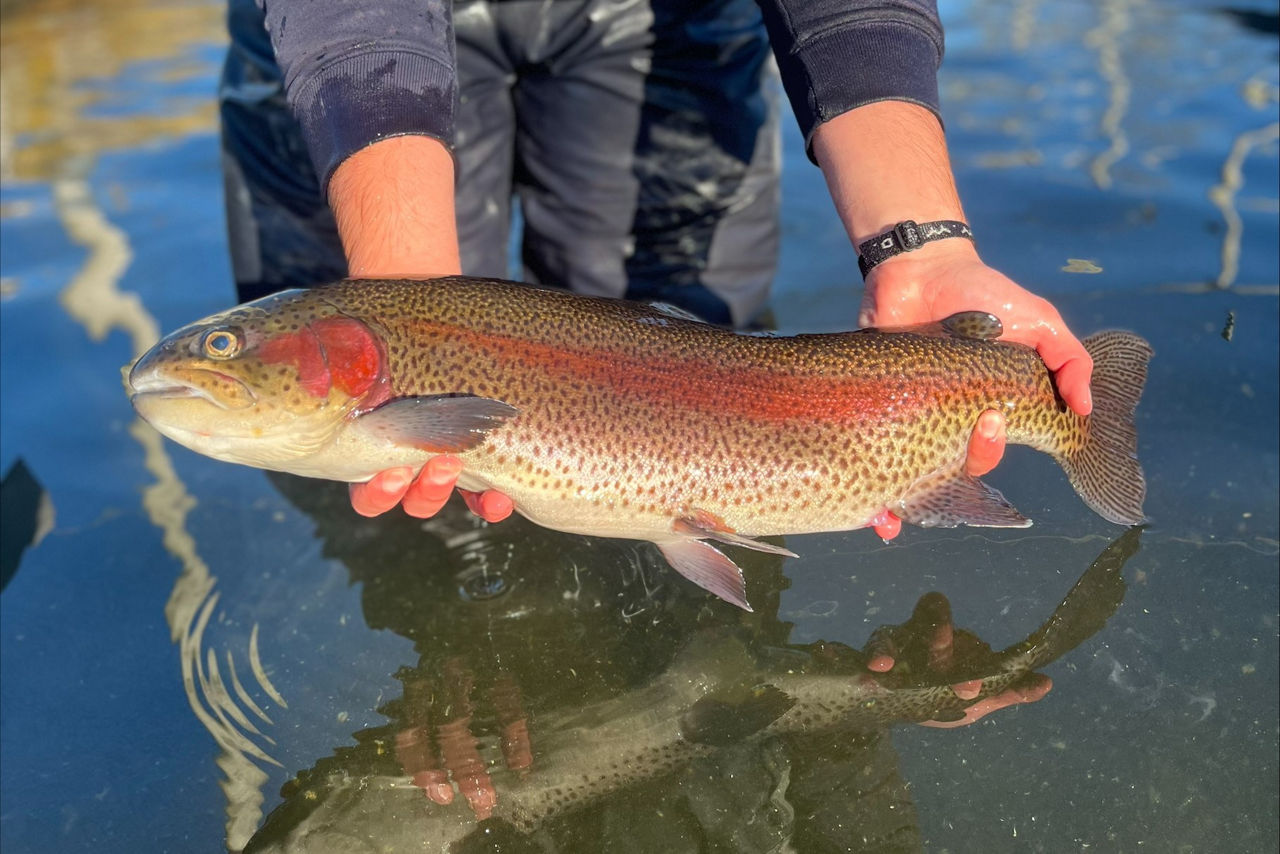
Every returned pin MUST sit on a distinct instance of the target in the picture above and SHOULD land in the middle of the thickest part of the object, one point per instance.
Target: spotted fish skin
(612, 418)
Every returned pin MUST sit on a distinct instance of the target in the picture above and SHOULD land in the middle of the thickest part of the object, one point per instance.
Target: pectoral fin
(705, 525)
(952, 498)
(447, 424)
(707, 567)
(729, 717)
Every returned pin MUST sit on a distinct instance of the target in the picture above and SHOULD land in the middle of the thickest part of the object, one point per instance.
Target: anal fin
(707, 567)
(951, 498)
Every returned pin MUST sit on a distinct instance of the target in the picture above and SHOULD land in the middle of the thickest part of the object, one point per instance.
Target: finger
(886, 525)
(472, 500)
(490, 505)
(936, 609)
(517, 751)
(436, 785)
(940, 646)
(880, 663)
(932, 609)
(881, 651)
(1028, 690)
(1070, 362)
(1072, 380)
(968, 690)
(986, 444)
(431, 490)
(382, 492)
(418, 759)
(867, 311)
(482, 797)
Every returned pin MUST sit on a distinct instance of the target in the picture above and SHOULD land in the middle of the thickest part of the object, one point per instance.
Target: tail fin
(1086, 609)
(1104, 470)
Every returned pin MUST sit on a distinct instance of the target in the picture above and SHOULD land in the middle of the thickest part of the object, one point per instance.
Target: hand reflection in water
(440, 754)
(569, 687)
(930, 643)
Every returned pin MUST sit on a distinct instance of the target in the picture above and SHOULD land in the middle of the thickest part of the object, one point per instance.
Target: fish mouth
(155, 385)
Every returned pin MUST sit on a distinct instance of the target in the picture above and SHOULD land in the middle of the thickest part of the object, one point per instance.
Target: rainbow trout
(619, 419)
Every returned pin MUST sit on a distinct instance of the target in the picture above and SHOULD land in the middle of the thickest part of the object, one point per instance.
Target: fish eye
(221, 343)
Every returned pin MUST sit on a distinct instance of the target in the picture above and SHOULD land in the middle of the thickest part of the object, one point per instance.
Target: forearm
(393, 202)
(884, 163)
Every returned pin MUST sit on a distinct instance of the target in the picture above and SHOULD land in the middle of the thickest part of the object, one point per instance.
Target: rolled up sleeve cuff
(842, 69)
(364, 98)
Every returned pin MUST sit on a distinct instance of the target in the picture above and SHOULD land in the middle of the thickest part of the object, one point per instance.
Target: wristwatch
(907, 236)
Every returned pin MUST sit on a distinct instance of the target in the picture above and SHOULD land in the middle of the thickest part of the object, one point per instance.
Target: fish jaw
(220, 416)
(152, 378)
(183, 403)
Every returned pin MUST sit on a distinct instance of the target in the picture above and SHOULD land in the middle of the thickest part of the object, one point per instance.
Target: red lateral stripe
(752, 394)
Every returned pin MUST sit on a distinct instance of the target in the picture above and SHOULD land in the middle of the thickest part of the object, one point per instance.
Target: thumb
(867, 311)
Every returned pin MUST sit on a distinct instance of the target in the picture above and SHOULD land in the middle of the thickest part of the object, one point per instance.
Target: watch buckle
(908, 235)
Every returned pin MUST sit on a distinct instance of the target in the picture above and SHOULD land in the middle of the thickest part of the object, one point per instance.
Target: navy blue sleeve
(357, 72)
(835, 55)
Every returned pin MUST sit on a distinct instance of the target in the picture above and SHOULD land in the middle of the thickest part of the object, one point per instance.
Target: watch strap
(907, 236)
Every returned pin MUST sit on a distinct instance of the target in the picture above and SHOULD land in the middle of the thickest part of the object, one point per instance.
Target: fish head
(262, 384)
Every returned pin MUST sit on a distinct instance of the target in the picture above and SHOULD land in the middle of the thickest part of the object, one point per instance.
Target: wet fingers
(490, 505)
(986, 444)
(382, 492)
(433, 487)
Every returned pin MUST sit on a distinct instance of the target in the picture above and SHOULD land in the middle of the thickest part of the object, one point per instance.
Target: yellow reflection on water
(61, 58)
(79, 78)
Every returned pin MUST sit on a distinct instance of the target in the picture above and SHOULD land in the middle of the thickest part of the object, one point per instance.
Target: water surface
(190, 647)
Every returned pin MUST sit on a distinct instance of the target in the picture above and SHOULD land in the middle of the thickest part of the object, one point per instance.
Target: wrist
(908, 236)
(393, 203)
(925, 263)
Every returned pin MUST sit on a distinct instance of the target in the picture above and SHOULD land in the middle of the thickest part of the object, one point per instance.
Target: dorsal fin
(674, 311)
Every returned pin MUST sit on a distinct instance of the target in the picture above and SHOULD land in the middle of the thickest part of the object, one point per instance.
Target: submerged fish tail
(1086, 608)
(1103, 467)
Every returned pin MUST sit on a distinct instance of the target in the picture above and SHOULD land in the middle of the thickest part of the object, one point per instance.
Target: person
(641, 141)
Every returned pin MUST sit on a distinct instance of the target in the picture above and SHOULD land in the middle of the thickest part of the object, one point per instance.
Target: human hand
(424, 495)
(939, 280)
(887, 161)
(946, 277)
(928, 644)
(986, 447)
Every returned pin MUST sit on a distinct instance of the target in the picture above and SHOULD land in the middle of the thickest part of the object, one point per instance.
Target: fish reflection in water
(539, 710)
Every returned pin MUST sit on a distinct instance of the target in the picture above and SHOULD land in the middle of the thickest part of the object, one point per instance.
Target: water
(186, 638)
